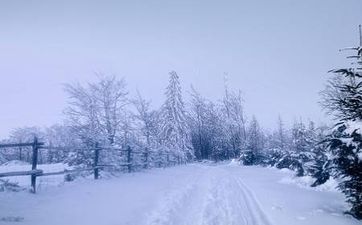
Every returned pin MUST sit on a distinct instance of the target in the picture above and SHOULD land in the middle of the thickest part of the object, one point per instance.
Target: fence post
(168, 159)
(96, 158)
(145, 166)
(34, 164)
(129, 159)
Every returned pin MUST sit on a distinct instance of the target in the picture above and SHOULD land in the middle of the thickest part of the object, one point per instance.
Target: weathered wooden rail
(22, 173)
(36, 146)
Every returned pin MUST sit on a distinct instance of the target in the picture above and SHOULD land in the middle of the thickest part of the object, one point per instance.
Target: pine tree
(174, 130)
(277, 144)
(343, 98)
(319, 169)
(253, 154)
(281, 136)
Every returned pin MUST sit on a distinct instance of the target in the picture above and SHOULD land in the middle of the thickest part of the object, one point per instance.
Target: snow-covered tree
(281, 136)
(343, 99)
(207, 129)
(61, 140)
(147, 121)
(300, 152)
(319, 167)
(174, 129)
(96, 111)
(198, 123)
(253, 154)
(23, 135)
(234, 122)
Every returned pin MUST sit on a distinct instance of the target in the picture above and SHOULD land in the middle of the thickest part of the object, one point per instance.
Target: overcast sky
(276, 52)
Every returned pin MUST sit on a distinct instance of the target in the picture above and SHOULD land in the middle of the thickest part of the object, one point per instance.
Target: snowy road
(193, 194)
(209, 196)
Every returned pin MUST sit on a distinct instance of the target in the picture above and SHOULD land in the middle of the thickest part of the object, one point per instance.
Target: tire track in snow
(183, 204)
(213, 196)
(236, 203)
(253, 205)
(222, 205)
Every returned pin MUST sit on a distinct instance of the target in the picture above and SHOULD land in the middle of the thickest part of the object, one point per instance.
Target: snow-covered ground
(200, 194)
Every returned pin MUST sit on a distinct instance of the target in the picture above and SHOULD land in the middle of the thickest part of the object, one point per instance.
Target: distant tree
(207, 129)
(147, 119)
(61, 139)
(254, 145)
(301, 141)
(234, 122)
(24, 135)
(277, 143)
(281, 135)
(198, 121)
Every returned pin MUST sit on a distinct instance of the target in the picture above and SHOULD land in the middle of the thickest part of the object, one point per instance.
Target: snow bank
(307, 181)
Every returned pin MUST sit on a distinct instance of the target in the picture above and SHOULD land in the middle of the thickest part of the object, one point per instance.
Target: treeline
(103, 113)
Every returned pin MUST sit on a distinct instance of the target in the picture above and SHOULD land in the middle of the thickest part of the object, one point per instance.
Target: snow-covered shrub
(5, 185)
(273, 156)
(248, 158)
(292, 162)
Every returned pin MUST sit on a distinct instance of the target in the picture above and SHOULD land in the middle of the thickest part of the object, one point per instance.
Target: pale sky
(277, 52)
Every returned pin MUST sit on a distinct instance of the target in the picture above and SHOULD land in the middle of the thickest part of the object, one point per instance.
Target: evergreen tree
(254, 146)
(343, 98)
(174, 130)
(281, 135)
(277, 144)
(319, 169)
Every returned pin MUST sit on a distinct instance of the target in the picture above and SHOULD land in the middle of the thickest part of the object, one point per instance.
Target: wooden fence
(36, 146)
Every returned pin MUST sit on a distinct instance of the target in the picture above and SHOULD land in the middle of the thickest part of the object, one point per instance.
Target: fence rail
(22, 173)
(20, 145)
(130, 164)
